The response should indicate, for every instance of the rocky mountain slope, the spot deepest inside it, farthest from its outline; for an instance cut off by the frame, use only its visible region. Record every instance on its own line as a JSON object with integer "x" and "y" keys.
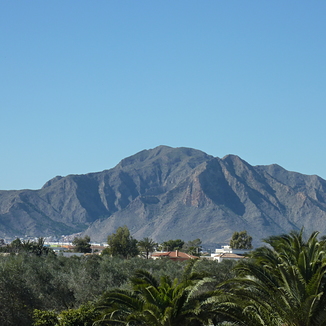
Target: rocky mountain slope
{"x": 168, "y": 193}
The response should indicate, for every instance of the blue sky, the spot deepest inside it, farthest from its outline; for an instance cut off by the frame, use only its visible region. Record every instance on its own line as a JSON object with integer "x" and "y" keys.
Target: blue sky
{"x": 86, "y": 83}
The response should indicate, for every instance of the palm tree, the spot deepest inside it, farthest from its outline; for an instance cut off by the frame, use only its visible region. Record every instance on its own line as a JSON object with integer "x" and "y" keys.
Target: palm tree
{"x": 283, "y": 284}
{"x": 147, "y": 246}
{"x": 156, "y": 303}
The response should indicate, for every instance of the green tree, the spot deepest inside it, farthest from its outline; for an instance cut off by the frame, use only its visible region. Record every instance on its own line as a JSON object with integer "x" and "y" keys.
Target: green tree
{"x": 156, "y": 302}
{"x": 38, "y": 248}
{"x": 82, "y": 244}
{"x": 16, "y": 245}
{"x": 192, "y": 247}
{"x": 283, "y": 284}
{"x": 33, "y": 247}
{"x": 147, "y": 246}
{"x": 241, "y": 240}
{"x": 45, "y": 318}
{"x": 172, "y": 245}
{"x": 122, "y": 244}
{"x": 17, "y": 299}
{"x": 85, "y": 315}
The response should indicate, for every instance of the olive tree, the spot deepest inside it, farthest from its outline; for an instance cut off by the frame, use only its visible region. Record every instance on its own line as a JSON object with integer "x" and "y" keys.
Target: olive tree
{"x": 122, "y": 244}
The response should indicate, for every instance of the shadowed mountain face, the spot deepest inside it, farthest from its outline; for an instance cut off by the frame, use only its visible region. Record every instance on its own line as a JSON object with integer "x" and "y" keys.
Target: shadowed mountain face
{"x": 168, "y": 193}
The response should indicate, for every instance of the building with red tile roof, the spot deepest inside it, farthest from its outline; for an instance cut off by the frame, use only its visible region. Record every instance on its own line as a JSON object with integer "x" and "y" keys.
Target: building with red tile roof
{"x": 173, "y": 255}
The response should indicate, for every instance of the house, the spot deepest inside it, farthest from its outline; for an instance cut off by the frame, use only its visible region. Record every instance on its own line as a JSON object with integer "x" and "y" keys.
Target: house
{"x": 226, "y": 252}
{"x": 230, "y": 256}
{"x": 173, "y": 255}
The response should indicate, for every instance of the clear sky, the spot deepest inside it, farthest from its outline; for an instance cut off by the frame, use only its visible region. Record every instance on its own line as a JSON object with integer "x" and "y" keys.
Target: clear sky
{"x": 84, "y": 84}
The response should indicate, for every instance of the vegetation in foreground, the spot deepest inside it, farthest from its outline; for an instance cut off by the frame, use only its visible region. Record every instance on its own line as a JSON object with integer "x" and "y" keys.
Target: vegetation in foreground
{"x": 280, "y": 284}
{"x": 56, "y": 285}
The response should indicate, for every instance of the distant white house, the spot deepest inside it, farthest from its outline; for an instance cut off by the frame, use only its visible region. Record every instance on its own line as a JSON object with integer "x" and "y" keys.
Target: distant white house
{"x": 226, "y": 252}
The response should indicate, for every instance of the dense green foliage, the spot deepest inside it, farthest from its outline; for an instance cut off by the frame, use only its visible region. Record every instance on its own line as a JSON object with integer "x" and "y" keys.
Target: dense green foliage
{"x": 83, "y": 316}
{"x": 56, "y": 283}
{"x": 122, "y": 244}
{"x": 281, "y": 284}
{"x": 172, "y": 245}
{"x": 241, "y": 240}
{"x": 157, "y": 302}
{"x": 82, "y": 244}
{"x": 26, "y": 246}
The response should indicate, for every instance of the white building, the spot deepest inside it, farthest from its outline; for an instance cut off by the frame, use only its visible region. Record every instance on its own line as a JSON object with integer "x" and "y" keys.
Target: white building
{"x": 226, "y": 252}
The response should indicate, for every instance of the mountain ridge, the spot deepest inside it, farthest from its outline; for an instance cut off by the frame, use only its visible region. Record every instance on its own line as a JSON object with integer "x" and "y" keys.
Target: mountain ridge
{"x": 166, "y": 193}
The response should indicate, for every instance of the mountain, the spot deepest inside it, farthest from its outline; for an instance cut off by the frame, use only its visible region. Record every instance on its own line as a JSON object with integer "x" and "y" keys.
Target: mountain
{"x": 169, "y": 193}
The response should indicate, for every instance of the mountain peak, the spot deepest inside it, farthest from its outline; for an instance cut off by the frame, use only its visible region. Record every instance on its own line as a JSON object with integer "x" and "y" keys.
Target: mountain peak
{"x": 167, "y": 193}
{"x": 164, "y": 153}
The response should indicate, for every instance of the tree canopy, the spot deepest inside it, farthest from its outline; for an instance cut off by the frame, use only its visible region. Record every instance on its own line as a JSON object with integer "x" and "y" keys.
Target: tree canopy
{"x": 172, "y": 245}
{"x": 84, "y": 315}
{"x": 147, "y": 246}
{"x": 122, "y": 244}
{"x": 280, "y": 284}
{"x": 27, "y": 246}
{"x": 283, "y": 284}
{"x": 156, "y": 302}
{"x": 241, "y": 240}
{"x": 192, "y": 247}
{"x": 82, "y": 244}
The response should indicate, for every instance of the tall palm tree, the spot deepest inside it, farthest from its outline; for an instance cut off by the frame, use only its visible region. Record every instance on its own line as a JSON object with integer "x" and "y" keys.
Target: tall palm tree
{"x": 156, "y": 302}
{"x": 147, "y": 246}
{"x": 283, "y": 284}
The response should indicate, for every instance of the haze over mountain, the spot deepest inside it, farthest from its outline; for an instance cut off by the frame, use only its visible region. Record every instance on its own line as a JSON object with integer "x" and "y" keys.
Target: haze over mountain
{"x": 168, "y": 193}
